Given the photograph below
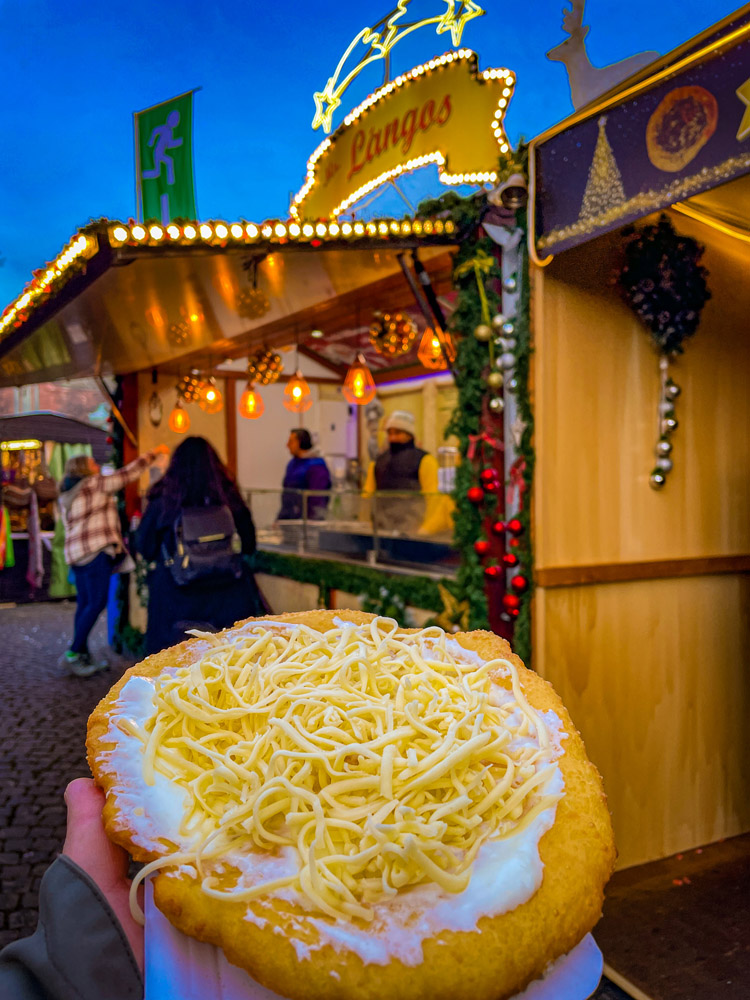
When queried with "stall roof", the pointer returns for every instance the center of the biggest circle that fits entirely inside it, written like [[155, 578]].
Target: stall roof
[[45, 425], [678, 128], [124, 297]]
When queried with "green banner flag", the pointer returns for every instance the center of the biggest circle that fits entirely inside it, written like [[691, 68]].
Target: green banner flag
[[164, 160]]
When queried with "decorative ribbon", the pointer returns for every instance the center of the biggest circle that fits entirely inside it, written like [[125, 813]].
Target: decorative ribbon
[[516, 482], [483, 438], [481, 264]]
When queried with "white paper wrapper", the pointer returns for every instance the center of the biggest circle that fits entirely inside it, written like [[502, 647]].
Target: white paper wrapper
[[181, 968]]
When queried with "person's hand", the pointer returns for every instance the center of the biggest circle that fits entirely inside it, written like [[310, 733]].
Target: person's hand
[[87, 844]]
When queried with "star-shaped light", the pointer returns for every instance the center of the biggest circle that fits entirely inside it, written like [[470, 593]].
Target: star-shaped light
[[454, 20], [325, 104], [516, 429], [743, 93]]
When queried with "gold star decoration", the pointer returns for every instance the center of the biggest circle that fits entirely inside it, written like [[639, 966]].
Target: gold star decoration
[[454, 20], [379, 40], [743, 93], [455, 614]]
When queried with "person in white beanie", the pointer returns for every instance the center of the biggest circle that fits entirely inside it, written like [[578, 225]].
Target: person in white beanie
[[402, 468]]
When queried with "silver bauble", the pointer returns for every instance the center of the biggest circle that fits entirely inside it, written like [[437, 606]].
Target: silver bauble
[[657, 480], [496, 404], [510, 284], [671, 424], [500, 343], [512, 384], [666, 407], [506, 361], [483, 332], [499, 321], [664, 463], [511, 343], [673, 390], [663, 447], [509, 328]]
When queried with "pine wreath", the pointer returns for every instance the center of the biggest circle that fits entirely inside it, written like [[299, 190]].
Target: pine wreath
[[664, 283]]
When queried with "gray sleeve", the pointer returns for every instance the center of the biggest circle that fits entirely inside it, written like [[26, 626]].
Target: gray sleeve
[[78, 951]]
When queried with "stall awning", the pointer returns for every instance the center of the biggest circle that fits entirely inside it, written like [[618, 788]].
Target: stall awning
[[679, 128], [44, 425], [124, 298]]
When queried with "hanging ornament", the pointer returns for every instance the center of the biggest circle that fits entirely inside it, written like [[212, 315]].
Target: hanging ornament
[[514, 526], [511, 602], [436, 349], [359, 385], [211, 399], [510, 284], [498, 528], [475, 494], [493, 572], [392, 334], [496, 404], [178, 334], [297, 395], [483, 333], [179, 421], [498, 321], [251, 404], [482, 547], [519, 583], [488, 475], [510, 560], [189, 387], [668, 424], [264, 367], [495, 380], [252, 303]]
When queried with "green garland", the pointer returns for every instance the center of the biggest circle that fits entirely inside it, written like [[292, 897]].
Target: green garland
[[383, 593], [469, 370]]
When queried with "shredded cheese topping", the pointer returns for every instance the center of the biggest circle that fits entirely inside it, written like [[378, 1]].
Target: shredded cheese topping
[[380, 757]]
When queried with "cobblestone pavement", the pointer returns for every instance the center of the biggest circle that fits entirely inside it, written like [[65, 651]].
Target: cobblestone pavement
[[43, 713]]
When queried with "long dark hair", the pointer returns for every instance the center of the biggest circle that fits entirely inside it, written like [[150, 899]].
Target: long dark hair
[[195, 476]]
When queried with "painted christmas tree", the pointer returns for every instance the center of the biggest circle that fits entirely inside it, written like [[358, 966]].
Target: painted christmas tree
[[604, 188]]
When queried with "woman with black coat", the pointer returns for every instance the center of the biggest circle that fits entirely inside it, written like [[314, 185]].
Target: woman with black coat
[[195, 477]]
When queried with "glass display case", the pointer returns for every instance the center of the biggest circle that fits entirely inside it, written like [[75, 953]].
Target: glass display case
[[389, 529]]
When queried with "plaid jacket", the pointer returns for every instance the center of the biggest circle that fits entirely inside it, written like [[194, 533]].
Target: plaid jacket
[[89, 513]]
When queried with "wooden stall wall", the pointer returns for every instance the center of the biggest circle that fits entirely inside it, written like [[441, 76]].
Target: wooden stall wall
[[641, 613]]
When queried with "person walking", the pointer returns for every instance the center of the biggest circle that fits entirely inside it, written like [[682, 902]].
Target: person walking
[[93, 541], [209, 589]]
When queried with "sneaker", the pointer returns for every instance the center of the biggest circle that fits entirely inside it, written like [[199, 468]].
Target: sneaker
[[96, 664], [78, 664]]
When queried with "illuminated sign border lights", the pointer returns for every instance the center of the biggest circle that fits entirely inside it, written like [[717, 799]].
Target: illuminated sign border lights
[[27, 444], [479, 177]]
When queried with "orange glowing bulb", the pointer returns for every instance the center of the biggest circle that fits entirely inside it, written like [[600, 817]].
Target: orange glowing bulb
[[251, 405], [179, 421], [297, 395], [359, 385], [436, 349]]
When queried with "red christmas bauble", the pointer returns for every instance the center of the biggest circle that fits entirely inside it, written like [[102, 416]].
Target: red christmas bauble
[[110, 440], [493, 572], [514, 612], [510, 560], [510, 601], [482, 547], [514, 526], [498, 528], [519, 583], [475, 494], [488, 475], [514, 543], [492, 487]]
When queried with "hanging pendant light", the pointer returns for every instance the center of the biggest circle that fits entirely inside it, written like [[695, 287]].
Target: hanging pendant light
[[359, 385], [251, 405], [297, 396], [211, 399], [179, 421], [436, 349]]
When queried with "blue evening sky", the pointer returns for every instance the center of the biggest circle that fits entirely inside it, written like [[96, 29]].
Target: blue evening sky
[[72, 73]]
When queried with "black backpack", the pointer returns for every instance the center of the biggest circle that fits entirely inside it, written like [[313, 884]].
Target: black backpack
[[207, 546]]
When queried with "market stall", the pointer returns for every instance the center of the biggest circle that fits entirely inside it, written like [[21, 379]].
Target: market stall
[[33, 450], [642, 456]]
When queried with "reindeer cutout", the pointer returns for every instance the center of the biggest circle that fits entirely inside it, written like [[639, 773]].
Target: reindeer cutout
[[586, 81]]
